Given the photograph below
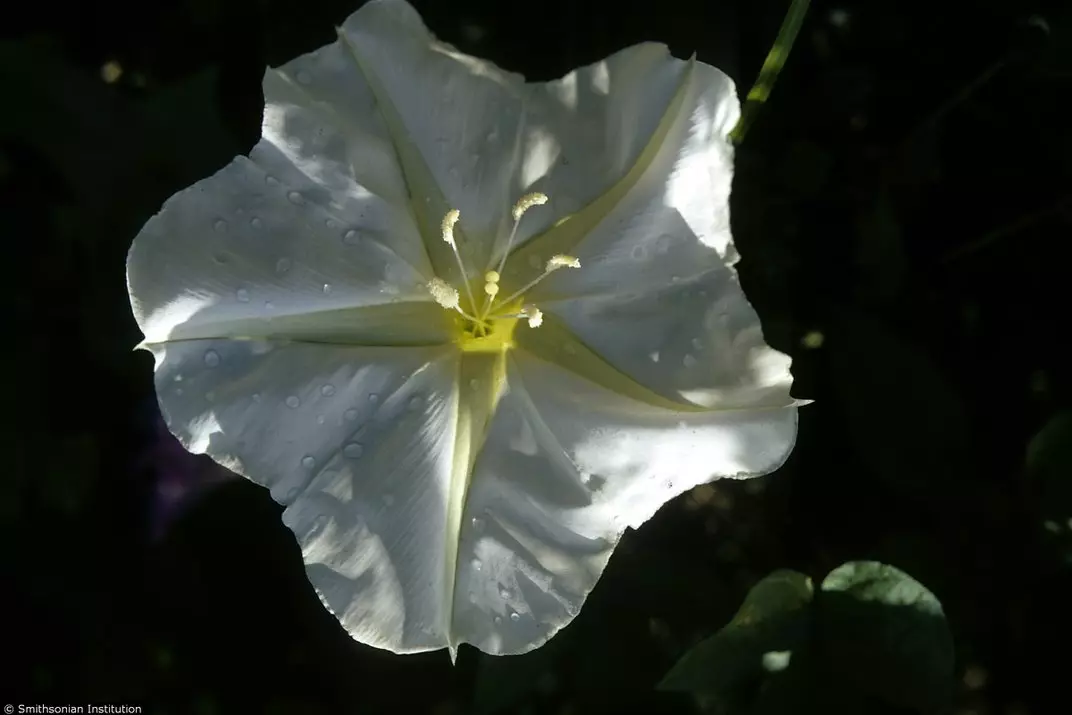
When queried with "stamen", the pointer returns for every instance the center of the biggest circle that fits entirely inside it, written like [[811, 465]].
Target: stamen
[[523, 204], [535, 318], [443, 293], [447, 296], [556, 262], [526, 202], [492, 289], [447, 228], [491, 277]]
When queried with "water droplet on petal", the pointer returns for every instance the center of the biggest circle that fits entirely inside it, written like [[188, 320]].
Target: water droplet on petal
[[327, 390], [303, 77], [220, 226], [689, 361], [477, 565], [177, 378], [293, 401], [255, 222], [696, 343], [353, 450], [504, 592], [654, 356], [295, 197], [350, 415], [373, 397], [283, 265], [515, 616], [498, 620], [415, 402], [271, 180], [268, 305], [351, 237], [320, 419], [256, 397], [242, 295], [212, 358], [639, 253], [327, 287], [474, 383], [308, 462], [478, 523]]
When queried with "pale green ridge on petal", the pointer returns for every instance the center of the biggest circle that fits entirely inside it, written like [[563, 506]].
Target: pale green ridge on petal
[[356, 443], [481, 381], [453, 119], [244, 254], [566, 468]]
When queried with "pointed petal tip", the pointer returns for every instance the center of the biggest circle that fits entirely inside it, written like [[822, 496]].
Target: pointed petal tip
[[452, 650]]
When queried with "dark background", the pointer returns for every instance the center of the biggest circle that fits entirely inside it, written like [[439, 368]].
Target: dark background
[[905, 193]]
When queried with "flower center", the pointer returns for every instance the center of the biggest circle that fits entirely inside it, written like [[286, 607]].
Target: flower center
[[488, 325]]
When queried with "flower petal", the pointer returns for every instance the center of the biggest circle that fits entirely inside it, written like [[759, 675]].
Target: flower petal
[[567, 466], [240, 254], [667, 219], [357, 444], [454, 120]]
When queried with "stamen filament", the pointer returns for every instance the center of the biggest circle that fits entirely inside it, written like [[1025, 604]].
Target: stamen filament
[[553, 264], [448, 235], [523, 204]]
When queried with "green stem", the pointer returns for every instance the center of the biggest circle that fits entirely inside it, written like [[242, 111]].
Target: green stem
[[776, 58]]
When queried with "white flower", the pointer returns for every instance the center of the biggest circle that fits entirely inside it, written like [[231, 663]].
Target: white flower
[[452, 476]]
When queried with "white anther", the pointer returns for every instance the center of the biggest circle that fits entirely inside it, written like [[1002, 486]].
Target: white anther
[[526, 202], [492, 289], [443, 293], [535, 316], [447, 226], [562, 261], [491, 277]]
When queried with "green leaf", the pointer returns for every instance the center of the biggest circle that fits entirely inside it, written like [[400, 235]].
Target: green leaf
[[885, 633], [763, 638]]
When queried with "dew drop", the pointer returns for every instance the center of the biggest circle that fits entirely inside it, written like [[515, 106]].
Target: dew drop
[[472, 597], [504, 592], [212, 358], [255, 222], [515, 616], [220, 226], [242, 295], [654, 356], [350, 237], [350, 415], [415, 402], [330, 223], [256, 397], [268, 305], [639, 253], [327, 390], [353, 450], [295, 197], [474, 383], [675, 279], [373, 397], [477, 565], [303, 77], [498, 620], [696, 344], [271, 180], [308, 462], [177, 378], [320, 419], [293, 401], [327, 287], [283, 265], [478, 523], [689, 361]]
